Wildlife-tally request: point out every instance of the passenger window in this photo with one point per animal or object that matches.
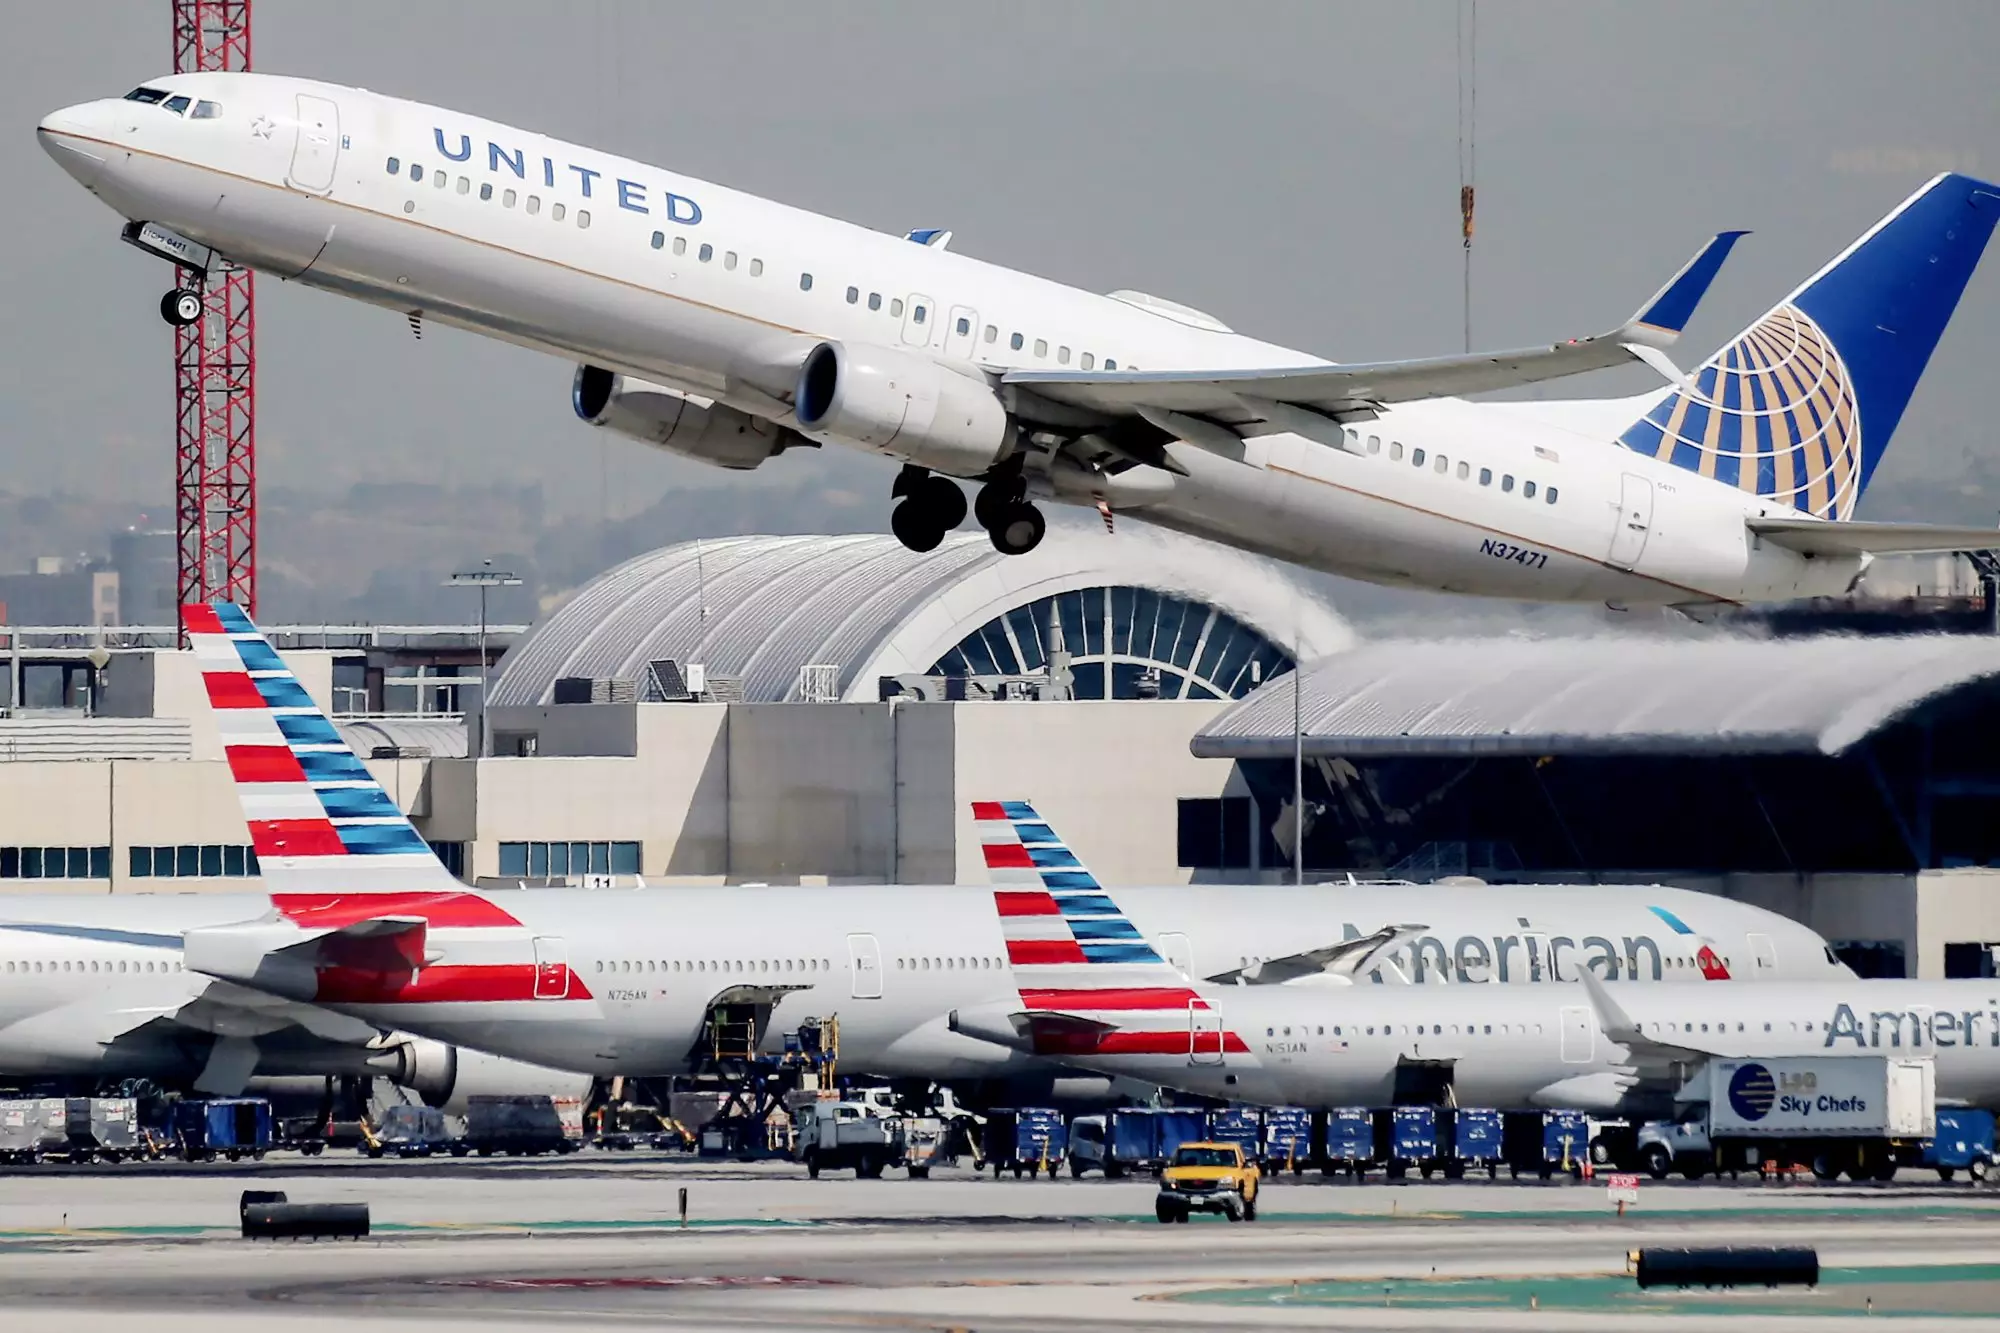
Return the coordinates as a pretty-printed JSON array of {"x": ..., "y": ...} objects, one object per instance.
[
  {"x": 507, "y": 198},
  {"x": 1486, "y": 476},
  {"x": 874, "y": 300},
  {"x": 1416, "y": 458},
  {"x": 895, "y": 307},
  {"x": 1015, "y": 342},
  {"x": 706, "y": 253},
  {"x": 178, "y": 105},
  {"x": 805, "y": 279},
  {"x": 916, "y": 314},
  {"x": 756, "y": 268},
  {"x": 1041, "y": 347},
  {"x": 659, "y": 239},
  {"x": 1464, "y": 471},
  {"x": 964, "y": 326},
  {"x": 1396, "y": 450},
  {"x": 1528, "y": 490},
  {"x": 729, "y": 262},
  {"x": 1507, "y": 482},
  {"x": 556, "y": 211},
  {"x": 207, "y": 111},
  {"x": 416, "y": 172},
  {"x": 465, "y": 185},
  {"x": 1087, "y": 361},
  {"x": 395, "y": 166},
  {"x": 534, "y": 204},
  {"x": 1374, "y": 444},
  {"x": 1062, "y": 355},
  {"x": 438, "y": 179},
  {"x": 680, "y": 245},
  {"x": 486, "y": 193},
  {"x": 582, "y": 217},
  {"x": 1442, "y": 465},
  {"x": 1549, "y": 496},
  {"x": 853, "y": 295},
  {"x": 992, "y": 333}
]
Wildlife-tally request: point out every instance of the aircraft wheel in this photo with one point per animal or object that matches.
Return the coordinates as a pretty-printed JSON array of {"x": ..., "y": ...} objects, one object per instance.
[
  {"x": 994, "y": 497},
  {"x": 181, "y": 307},
  {"x": 1017, "y": 528},
  {"x": 914, "y": 526}
]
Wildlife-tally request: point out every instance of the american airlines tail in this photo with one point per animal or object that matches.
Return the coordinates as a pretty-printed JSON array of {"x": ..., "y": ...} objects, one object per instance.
[{"x": 1800, "y": 407}]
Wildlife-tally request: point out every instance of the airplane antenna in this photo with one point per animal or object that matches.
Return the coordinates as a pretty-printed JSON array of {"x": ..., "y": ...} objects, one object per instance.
[{"x": 1468, "y": 141}]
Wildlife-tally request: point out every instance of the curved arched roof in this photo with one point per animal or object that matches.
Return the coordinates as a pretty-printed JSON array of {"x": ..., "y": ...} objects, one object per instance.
[
  {"x": 1602, "y": 696},
  {"x": 759, "y": 608}
]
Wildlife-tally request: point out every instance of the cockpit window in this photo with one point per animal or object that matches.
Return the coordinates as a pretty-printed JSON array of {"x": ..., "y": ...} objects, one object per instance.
[
  {"x": 149, "y": 96},
  {"x": 179, "y": 105},
  {"x": 207, "y": 111}
]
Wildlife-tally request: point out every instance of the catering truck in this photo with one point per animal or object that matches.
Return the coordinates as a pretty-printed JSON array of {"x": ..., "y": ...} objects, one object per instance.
[{"x": 1861, "y": 1115}]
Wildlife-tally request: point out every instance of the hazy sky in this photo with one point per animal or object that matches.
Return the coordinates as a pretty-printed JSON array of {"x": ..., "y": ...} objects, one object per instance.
[{"x": 1292, "y": 167}]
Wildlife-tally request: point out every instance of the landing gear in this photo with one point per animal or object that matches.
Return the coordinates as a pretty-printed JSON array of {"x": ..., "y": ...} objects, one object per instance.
[
  {"x": 928, "y": 506},
  {"x": 1002, "y": 508},
  {"x": 181, "y": 307}
]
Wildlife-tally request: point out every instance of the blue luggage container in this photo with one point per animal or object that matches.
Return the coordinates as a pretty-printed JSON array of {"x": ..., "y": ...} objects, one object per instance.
[
  {"x": 1350, "y": 1140},
  {"x": 1288, "y": 1138},
  {"x": 232, "y": 1127},
  {"x": 1477, "y": 1139},
  {"x": 1963, "y": 1142},
  {"x": 1134, "y": 1140},
  {"x": 1028, "y": 1139},
  {"x": 1407, "y": 1136},
  {"x": 1566, "y": 1140},
  {"x": 1240, "y": 1125},
  {"x": 1175, "y": 1125}
]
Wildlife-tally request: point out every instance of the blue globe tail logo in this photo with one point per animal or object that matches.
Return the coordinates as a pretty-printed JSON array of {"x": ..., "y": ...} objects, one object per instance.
[{"x": 1752, "y": 1091}]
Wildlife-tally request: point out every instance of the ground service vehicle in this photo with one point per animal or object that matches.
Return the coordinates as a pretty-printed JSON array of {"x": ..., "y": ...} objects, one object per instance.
[
  {"x": 841, "y": 1136},
  {"x": 1963, "y": 1142},
  {"x": 1859, "y": 1115},
  {"x": 517, "y": 1125},
  {"x": 409, "y": 1131},
  {"x": 1131, "y": 1138},
  {"x": 1208, "y": 1178},
  {"x": 232, "y": 1127}
]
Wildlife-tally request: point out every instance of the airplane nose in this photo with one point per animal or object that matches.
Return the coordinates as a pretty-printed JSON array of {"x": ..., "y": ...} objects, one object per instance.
[{"x": 73, "y": 137}]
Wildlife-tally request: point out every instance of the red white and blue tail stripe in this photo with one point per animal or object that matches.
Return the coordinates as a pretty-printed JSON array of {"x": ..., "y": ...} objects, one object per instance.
[
  {"x": 318, "y": 819},
  {"x": 1074, "y": 954}
]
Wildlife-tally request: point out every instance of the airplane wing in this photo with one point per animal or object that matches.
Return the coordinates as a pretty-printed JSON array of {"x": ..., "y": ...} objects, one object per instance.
[
  {"x": 1339, "y": 962},
  {"x": 1237, "y": 397},
  {"x": 1818, "y": 536}
]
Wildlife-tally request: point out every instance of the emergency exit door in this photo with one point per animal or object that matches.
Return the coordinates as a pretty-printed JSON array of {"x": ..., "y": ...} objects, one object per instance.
[
  {"x": 1579, "y": 1039},
  {"x": 551, "y": 968},
  {"x": 1634, "y": 524},
  {"x": 317, "y": 149},
  {"x": 1204, "y": 1036}
]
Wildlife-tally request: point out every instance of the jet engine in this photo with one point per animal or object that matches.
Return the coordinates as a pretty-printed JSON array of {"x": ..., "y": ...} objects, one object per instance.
[
  {"x": 678, "y": 422},
  {"x": 931, "y": 413},
  {"x": 445, "y": 1075}
]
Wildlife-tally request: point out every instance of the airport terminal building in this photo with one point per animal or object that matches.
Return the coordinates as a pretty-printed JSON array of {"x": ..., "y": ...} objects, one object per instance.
[{"x": 826, "y": 709}]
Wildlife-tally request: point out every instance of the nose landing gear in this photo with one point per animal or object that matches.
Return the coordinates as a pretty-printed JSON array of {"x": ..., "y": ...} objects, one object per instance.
[
  {"x": 928, "y": 507},
  {"x": 181, "y": 307}
]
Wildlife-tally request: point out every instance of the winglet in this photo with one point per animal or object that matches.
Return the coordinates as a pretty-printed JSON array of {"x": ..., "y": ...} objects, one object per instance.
[
  {"x": 1611, "y": 1016},
  {"x": 1660, "y": 321}
]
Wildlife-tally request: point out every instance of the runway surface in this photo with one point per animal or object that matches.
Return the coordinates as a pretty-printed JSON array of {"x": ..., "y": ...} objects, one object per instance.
[{"x": 598, "y": 1240}]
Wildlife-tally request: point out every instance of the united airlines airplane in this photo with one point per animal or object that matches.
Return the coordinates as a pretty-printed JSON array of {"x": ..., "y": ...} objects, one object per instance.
[
  {"x": 362, "y": 919},
  {"x": 1620, "y": 1049},
  {"x": 731, "y": 328}
]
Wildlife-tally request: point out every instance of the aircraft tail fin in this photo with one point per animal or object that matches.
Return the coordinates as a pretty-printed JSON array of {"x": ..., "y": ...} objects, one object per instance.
[
  {"x": 319, "y": 821},
  {"x": 1800, "y": 406}
]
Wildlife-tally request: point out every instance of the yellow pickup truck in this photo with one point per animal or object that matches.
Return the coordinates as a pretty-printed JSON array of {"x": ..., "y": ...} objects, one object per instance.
[{"x": 1208, "y": 1178}]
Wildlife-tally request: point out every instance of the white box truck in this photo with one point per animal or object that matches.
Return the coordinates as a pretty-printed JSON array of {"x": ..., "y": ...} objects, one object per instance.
[{"x": 1862, "y": 1115}]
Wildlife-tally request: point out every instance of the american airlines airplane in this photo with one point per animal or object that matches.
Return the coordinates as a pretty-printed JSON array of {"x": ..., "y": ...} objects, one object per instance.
[
  {"x": 730, "y": 328},
  {"x": 108, "y": 997},
  {"x": 362, "y": 919},
  {"x": 1584, "y": 1045}
]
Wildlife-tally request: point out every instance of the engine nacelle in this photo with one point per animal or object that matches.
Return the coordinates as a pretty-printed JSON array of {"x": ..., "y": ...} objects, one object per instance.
[
  {"x": 908, "y": 406},
  {"x": 445, "y": 1075},
  {"x": 678, "y": 422}
]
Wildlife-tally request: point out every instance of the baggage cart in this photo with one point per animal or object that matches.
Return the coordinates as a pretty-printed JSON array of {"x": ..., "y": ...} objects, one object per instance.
[
  {"x": 1349, "y": 1143},
  {"x": 1288, "y": 1139},
  {"x": 1027, "y": 1139},
  {"x": 231, "y": 1127},
  {"x": 1478, "y": 1140}
]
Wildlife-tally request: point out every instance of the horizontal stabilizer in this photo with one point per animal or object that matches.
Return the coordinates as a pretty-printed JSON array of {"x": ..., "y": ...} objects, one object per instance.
[
  {"x": 1810, "y": 536},
  {"x": 277, "y": 956},
  {"x": 1232, "y": 396}
]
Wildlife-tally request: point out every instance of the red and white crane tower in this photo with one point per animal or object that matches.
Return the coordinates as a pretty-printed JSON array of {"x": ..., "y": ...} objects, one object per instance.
[{"x": 215, "y": 373}]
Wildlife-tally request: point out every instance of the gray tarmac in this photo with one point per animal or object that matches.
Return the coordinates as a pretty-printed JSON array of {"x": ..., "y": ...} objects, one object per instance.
[{"x": 597, "y": 1239}]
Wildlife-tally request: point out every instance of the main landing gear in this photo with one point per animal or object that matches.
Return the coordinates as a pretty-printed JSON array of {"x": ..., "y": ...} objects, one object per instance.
[
  {"x": 181, "y": 307},
  {"x": 928, "y": 506}
]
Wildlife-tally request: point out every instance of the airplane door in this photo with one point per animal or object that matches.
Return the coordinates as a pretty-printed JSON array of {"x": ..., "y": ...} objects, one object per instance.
[
  {"x": 864, "y": 954},
  {"x": 1763, "y": 953},
  {"x": 1635, "y": 522},
  {"x": 961, "y": 331},
  {"x": 1174, "y": 947},
  {"x": 318, "y": 146},
  {"x": 551, "y": 968},
  {"x": 1204, "y": 1036},
  {"x": 1579, "y": 1035},
  {"x": 918, "y": 320}
]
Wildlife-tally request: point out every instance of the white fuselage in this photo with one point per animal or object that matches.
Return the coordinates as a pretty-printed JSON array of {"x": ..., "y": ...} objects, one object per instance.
[
  {"x": 644, "y": 968},
  {"x": 607, "y": 261},
  {"x": 1518, "y": 1047}
]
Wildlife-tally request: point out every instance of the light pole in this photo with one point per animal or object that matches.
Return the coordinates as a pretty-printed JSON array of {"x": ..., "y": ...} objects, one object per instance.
[{"x": 483, "y": 578}]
